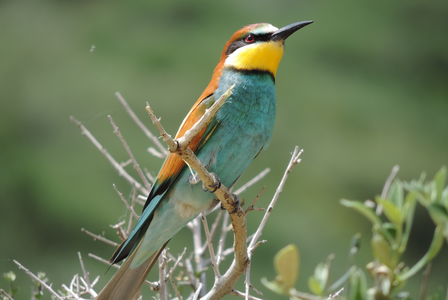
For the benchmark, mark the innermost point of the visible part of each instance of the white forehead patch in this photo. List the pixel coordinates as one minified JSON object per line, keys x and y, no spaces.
{"x":265,"y":28}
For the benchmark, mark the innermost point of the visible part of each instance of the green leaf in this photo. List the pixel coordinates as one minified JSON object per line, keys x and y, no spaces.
{"x":444,"y":197}
{"x":318,"y":281}
{"x":438,"y":213}
{"x":391,"y":211}
{"x":440,"y":179}
{"x":314,"y":286}
{"x":286,"y":263}
{"x":434,"y":248}
{"x":364,"y":210}
{"x":381,"y":250}
{"x":395,"y":194}
{"x":273,"y":286}
{"x":358,"y":286}
{"x":408,"y":215}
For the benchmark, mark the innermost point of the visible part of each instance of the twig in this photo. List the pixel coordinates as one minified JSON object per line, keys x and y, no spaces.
{"x":100,"y":238}
{"x":198,"y":292}
{"x":86,"y":274}
{"x":70,"y":292}
{"x":104,"y":261}
{"x":242,"y":295}
{"x":134,"y":197}
{"x":210,"y":247}
{"x":335,"y":295}
{"x":115,"y":164}
{"x":38,"y":280}
{"x":150,"y":177}
{"x":6,"y":294}
{"x":178,"y":260}
{"x":163,"y":290}
{"x":128,"y":150}
{"x":179,"y":297}
{"x":251,"y":206}
{"x":141,"y":125}
{"x":222,"y":238}
{"x":295,"y":159}
{"x":126,"y":202}
{"x":190,"y":274}
{"x":120,"y":231}
{"x":253,"y":181}
{"x":213,"y":230}
{"x":198,"y":254}
{"x":305,"y":296}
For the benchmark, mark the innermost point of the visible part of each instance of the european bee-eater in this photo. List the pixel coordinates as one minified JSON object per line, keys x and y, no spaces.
{"x":238,"y":132}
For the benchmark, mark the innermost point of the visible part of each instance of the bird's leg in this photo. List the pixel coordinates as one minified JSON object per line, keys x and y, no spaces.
{"x":216,"y":183}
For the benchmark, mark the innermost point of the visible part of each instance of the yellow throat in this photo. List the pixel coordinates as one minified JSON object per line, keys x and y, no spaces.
{"x":264,"y":56}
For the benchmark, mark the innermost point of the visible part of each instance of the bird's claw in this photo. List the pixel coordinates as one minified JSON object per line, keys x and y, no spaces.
{"x":236,"y":204}
{"x":216,"y":184}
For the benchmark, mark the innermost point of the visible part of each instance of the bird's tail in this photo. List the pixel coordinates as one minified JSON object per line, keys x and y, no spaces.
{"x":126,"y":283}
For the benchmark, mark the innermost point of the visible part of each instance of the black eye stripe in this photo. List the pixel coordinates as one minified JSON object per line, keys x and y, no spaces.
{"x":241,"y":43}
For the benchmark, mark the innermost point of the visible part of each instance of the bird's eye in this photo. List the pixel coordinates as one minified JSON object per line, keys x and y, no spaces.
{"x":249,"y":38}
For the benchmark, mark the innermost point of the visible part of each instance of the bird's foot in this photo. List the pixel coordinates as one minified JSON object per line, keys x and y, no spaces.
{"x":236,"y":204}
{"x":216,"y":184}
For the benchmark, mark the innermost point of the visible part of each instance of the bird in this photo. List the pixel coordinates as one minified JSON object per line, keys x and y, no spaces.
{"x":238,"y":132}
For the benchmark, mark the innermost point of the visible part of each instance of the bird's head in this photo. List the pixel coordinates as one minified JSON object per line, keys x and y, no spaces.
{"x":258,"y":47}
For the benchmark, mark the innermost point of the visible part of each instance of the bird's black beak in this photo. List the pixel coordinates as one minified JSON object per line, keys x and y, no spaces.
{"x":283,"y":33}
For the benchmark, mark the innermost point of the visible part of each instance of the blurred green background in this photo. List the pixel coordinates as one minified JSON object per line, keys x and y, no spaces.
{"x":363,"y":88}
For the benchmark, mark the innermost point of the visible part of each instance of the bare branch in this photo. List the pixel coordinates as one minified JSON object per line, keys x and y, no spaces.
{"x":150,"y":177}
{"x":128,"y":150}
{"x":115,"y":164}
{"x":198,"y":253}
{"x":178,"y":261}
{"x":190,"y":274}
{"x":6,"y":294}
{"x":86,"y":275}
{"x":210,"y":248}
{"x":70,"y":292}
{"x":174,"y":286}
{"x":253,"y":181}
{"x":242,"y":295}
{"x":213,"y":230}
{"x":104,"y":261}
{"x":141,"y":125}
{"x":100,"y":238}
{"x":222,"y":239}
{"x":130,"y":208}
{"x":251,"y":206}
{"x":56,"y":295}
{"x":198,"y":291}
{"x":295,"y":159}
{"x":154,"y":152}
{"x":163,"y":288}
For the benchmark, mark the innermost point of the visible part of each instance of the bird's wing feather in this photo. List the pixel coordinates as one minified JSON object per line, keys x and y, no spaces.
{"x":168,"y":174}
